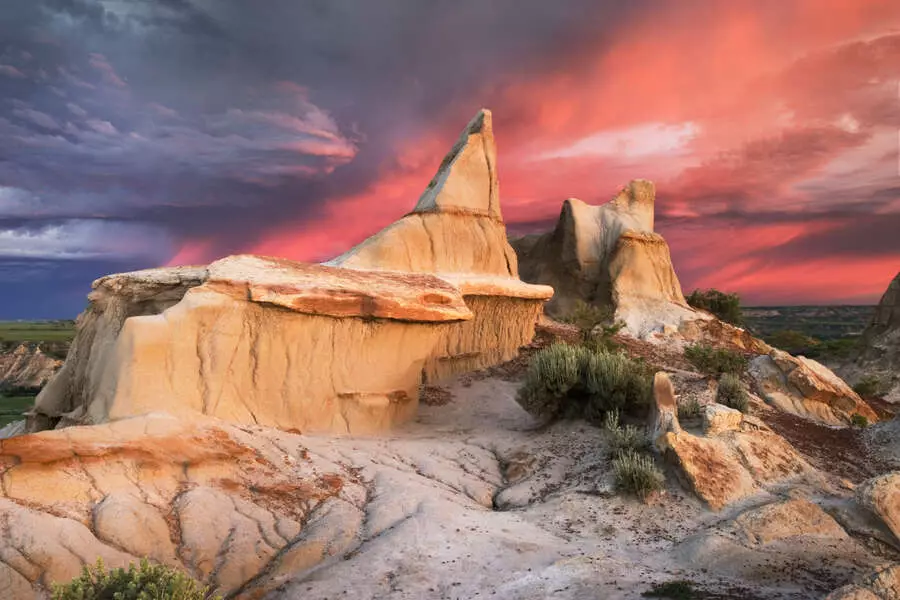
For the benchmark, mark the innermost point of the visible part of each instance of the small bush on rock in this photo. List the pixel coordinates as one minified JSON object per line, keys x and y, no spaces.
{"x":868,"y":387}
{"x":675,"y":590}
{"x":144,"y":582}
{"x":636,"y":473}
{"x":624,"y":438}
{"x":689,"y":409}
{"x":731,"y":393}
{"x":858,"y":420}
{"x":579,"y":382}
{"x":725,"y":306}
{"x":715,"y":361}
{"x":587,"y":318}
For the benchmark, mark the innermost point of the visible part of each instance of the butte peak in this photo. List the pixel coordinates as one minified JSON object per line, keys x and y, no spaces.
{"x":467,"y":180}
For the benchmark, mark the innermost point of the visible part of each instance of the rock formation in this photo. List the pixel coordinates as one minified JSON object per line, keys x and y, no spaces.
{"x":339,"y":347}
{"x":731,"y":460}
{"x":27,"y":366}
{"x":808,"y":389}
{"x":879,"y":357}
{"x":883,"y":584}
{"x":607,"y":255}
{"x":881,"y":495}
{"x":456,"y":231}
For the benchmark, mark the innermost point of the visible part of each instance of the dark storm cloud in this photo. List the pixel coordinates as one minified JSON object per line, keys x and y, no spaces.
{"x":164,"y":121}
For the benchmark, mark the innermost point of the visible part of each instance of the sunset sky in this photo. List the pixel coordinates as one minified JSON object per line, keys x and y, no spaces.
{"x":142,"y":133}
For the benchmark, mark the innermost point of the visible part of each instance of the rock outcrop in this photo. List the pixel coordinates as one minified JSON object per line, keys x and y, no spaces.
{"x":338,"y":347}
{"x":223,"y":505}
{"x":803,"y":387}
{"x":607,"y":255}
{"x":27,"y":366}
{"x":883,"y":584}
{"x":881,"y":495}
{"x":732,"y":461}
{"x":456,"y":231}
{"x":879,"y":357}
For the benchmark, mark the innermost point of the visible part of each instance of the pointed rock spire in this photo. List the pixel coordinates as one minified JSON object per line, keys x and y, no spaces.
{"x":467,"y":181}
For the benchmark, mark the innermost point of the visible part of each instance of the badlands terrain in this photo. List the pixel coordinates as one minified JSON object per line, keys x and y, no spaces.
{"x":354,"y":429}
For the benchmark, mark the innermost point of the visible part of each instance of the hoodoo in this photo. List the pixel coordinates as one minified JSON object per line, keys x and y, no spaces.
{"x":257,"y":340}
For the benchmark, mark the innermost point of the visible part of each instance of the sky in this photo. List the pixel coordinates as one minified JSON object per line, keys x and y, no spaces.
{"x":140,"y":133}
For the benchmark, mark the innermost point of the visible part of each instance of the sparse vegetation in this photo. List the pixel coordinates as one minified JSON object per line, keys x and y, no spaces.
{"x":624,"y":438}
{"x":588,"y":318}
{"x":636,"y":473}
{"x":675,"y":590}
{"x":715,"y":361}
{"x":689,"y":409}
{"x":868,"y":386}
{"x":725,"y":306}
{"x":13,"y":407}
{"x":143,"y":582}
{"x":731,"y":393}
{"x":858,"y":420}
{"x":36,"y":331}
{"x":798,"y":343}
{"x":570,"y":381}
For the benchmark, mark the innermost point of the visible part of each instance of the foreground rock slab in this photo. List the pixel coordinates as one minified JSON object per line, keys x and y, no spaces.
{"x":808,"y":389}
{"x":881,"y":495}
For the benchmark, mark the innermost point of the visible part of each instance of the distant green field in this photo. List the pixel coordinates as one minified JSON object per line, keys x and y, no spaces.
{"x":12,"y":407}
{"x":37,"y":331}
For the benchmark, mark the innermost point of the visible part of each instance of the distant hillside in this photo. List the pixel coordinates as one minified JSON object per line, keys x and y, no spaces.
{"x":30,"y":354}
{"x":819,"y":322}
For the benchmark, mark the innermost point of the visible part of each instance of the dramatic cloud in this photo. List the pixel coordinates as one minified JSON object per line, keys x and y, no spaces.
{"x":134,"y":133}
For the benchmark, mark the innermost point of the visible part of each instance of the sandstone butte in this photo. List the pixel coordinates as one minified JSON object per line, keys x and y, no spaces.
{"x":339,"y":347}
{"x":610,"y":255}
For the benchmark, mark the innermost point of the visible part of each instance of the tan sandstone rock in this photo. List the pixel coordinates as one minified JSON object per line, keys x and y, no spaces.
{"x":729,"y":465}
{"x":883,"y":584}
{"x":277,"y":343}
{"x":456,"y":231}
{"x":339,"y":347}
{"x":881,"y":495}
{"x":808,"y":389}
{"x":608,"y":255}
{"x":719,"y":419}
{"x":27,"y":366}
{"x":223,"y":505}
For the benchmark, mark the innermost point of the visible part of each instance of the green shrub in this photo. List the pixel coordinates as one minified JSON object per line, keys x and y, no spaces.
{"x":144,"y":582}
{"x":578,"y":382}
{"x":715,"y":361}
{"x":725,"y":306}
{"x":858,"y":420}
{"x":689,"y":409}
{"x":586,"y":317}
{"x":636,"y":473}
{"x":675,"y":590}
{"x":731,"y":393}
{"x":792,"y":342}
{"x":868,"y":386}
{"x":624,"y":438}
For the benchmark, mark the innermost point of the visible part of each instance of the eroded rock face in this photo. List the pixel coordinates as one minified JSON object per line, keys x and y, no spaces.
{"x":456,"y":231}
{"x":340,"y":347}
{"x":732,"y":461}
{"x":883,"y":584}
{"x":805,"y":388}
{"x":880,"y":354}
{"x":271,"y":342}
{"x":881,"y":495}
{"x":27,"y":366}
{"x":223,"y":505}
{"x":606,"y":255}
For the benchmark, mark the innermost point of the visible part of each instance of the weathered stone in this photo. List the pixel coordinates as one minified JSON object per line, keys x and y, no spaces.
{"x":879,"y":357}
{"x":884,"y":584}
{"x":786,"y":520}
{"x":881,"y":495}
{"x":608,"y":255}
{"x":27,"y":366}
{"x":808,"y":389}
{"x":719,"y":419}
